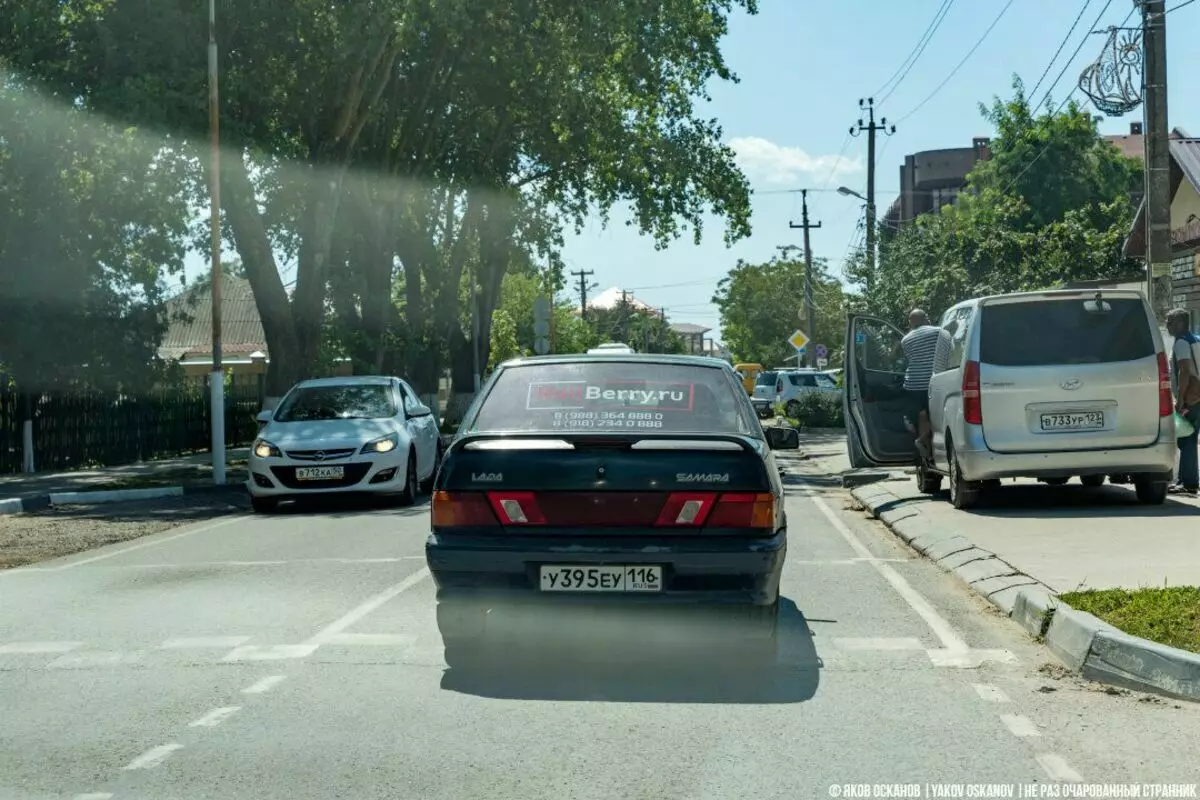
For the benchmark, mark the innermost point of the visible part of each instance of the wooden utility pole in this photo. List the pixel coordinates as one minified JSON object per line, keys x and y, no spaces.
{"x":810,"y":352}
{"x":583,"y":275}
{"x":1157,"y":156}
{"x":871,"y":128}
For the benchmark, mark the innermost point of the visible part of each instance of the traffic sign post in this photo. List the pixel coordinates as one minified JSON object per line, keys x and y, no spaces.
{"x":541,"y":325}
{"x":822,"y":352}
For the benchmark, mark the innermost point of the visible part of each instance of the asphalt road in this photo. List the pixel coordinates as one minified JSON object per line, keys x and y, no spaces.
{"x":298,"y":656}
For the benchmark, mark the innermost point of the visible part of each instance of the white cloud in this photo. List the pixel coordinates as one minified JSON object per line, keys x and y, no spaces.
{"x":766,"y":162}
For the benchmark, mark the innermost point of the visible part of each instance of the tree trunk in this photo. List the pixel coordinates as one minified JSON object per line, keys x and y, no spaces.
{"x":270,"y":297}
{"x":312,"y":274}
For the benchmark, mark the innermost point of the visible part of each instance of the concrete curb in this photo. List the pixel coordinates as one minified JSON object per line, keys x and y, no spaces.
{"x":114,"y":495}
{"x":1086,"y":644}
{"x":11,"y":505}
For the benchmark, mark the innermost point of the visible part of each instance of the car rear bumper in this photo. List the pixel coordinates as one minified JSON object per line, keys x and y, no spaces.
{"x":695,"y":570}
{"x":978,"y":463}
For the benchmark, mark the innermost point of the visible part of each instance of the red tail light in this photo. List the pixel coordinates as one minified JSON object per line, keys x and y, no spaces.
{"x":516,"y":508}
{"x":972,"y":403}
{"x":686,"y":509}
{"x":744,"y":511}
{"x":461,"y":509}
{"x":779,"y":386}
{"x":1165,"y":405}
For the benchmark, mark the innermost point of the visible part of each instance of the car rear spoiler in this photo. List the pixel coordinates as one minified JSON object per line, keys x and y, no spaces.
{"x":571,"y":440}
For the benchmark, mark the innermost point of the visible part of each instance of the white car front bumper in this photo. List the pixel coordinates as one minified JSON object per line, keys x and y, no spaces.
{"x":374,"y":472}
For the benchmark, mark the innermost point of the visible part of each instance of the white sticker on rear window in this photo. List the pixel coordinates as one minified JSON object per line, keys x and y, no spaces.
{"x":583,"y":395}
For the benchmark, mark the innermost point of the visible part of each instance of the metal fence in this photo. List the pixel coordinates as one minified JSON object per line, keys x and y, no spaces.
{"x":79,"y":429}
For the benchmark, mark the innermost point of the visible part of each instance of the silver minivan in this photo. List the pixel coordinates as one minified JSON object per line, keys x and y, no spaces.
{"x":1045,"y":385}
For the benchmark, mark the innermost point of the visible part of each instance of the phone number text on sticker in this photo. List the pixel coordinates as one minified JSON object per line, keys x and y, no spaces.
{"x":646,"y":396}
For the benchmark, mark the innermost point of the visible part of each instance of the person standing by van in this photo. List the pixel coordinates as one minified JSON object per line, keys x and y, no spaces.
{"x":1187,"y":397}
{"x":921,"y":346}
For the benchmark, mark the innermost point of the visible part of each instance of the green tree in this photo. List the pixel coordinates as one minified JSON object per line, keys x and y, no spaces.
{"x":1050,"y":205}
{"x":761,"y":305}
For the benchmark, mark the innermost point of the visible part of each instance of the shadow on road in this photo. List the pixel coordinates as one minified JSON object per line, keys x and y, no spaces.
{"x":636,"y":673}
{"x":1073,"y":501}
{"x":176,"y":510}
{"x":349,"y":505}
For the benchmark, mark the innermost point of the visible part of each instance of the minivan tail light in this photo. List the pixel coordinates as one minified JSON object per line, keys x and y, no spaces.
{"x":744,"y":510}
{"x":516,"y":508}
{"x":461,"y":510}
{"x":779,"y":386}
{"x":1165,"y":405}
{"x":972,"y":403}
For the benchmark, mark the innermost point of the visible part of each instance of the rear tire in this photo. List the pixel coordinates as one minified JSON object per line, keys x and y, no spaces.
{"x":962,"y":494}
{"x":264,"y":505}
{"x":928,"y":482}
{"x":1055,"y":481}
{"x":1092,"y":481}
{"x":1151,"y":493}
{"x":427,"y":484}
{"x":793,"y":409}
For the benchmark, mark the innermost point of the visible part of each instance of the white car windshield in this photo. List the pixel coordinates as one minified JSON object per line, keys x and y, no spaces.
{"x":348,"y":401}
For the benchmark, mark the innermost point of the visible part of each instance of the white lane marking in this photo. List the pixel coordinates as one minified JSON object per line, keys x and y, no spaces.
{"x":96,"y":658}
{"x":373,"y":639}
{"x":1019,"y":725}
{"x":215,"y":717}
{"x":969,"y":659}
{"x":275,"y":652}
{"x":990,"y":694}
{"x":203,"y":642}
{"x":94,"y":796}
{"x":264,"y":684}
{"x":880,"y":643}
{"x":938,"y":624}
{"x":1058,"y":769}
{"x":154,"y":543}
{"x":354,"y":615}
{"x":154,"y":756}
{"x":26,"y":648}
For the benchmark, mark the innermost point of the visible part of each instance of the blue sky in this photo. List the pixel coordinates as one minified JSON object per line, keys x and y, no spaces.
{"x":804,"y":65}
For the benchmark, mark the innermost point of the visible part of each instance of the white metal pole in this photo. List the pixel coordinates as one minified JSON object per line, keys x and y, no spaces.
{"x":217,"y":379}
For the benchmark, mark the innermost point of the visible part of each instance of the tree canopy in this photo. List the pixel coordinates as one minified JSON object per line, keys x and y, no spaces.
{"x":1050,"y":204}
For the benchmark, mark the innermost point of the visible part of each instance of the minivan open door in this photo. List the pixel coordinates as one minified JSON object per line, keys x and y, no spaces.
{"x":874,"y":398}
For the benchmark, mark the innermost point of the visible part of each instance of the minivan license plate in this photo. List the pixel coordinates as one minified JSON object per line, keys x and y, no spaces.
{"x":608,"y":578}
{"x":320,"y":473}
{"x":1074,"y":421}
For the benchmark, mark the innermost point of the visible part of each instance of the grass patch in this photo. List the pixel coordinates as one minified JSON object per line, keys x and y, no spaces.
{"x":1169,"y":616}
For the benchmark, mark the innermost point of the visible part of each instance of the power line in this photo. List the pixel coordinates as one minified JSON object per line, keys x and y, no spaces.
{"x":833,"y":169}
{"x":1181,"y":5}
{"x":1061,"y":45}
{"x":938,"y":18}
{"x":959,"y":66}
{"x":1071,"y":60}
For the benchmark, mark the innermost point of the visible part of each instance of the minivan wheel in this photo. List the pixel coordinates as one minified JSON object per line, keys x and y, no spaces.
{"x":1092,"y":481}
{"x":1151,"y":493}
{"x":411,"y":489}
{"x":928,"y":482}
{"x":1055,"y":481}
{"x":962,"y":494}
{"x":793,"y":409}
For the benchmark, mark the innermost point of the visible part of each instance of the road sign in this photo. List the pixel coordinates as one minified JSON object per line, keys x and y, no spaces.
{"x":541,"y":325}
{"x":822,"y":351}
{"x":541,"y":345}
{"x":798,"y":340}
{"x":822,"y":363}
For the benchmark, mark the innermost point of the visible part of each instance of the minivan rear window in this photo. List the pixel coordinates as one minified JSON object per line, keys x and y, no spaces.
{"x":765,"y":379}
{"x":1067,"y":331}
{"x":599,"y":396}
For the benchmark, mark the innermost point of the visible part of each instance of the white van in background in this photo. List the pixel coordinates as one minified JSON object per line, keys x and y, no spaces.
{"x":1045,"y":385}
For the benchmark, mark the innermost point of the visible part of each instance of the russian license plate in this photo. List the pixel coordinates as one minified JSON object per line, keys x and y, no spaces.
{"x":320,"y":473}
{"x":609,"y":578}
{"x":1073,"y":421}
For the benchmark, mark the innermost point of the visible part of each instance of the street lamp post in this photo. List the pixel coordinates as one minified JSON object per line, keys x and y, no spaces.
{"x":217,"y":378}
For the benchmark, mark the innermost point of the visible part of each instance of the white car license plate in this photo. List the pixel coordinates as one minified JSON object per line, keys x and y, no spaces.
{"x":1074,"y":421}
{"x":609,"y":578}
{"x":320,"y":473}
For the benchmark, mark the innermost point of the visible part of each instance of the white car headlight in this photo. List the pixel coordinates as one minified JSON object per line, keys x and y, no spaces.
{"x":264,"y":449}
{"x":383,"y":444}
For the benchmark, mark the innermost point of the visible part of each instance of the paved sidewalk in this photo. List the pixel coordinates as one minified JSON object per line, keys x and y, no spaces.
{"x":1067,"y":537}
{"x":192,"y":472}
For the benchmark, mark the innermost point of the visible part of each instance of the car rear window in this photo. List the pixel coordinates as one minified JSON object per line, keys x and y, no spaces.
{"x":1069,"y":331}
{"x":614,"y":396}
{"x":350,"y":401}
{"x":765,"y":379}
{"x":803,"y":379}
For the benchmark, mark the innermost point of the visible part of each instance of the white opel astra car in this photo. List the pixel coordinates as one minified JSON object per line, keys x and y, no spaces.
{"x":339,"y":435}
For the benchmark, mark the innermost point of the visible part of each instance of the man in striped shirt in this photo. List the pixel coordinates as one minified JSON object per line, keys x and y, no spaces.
{"x":921,"y":347}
